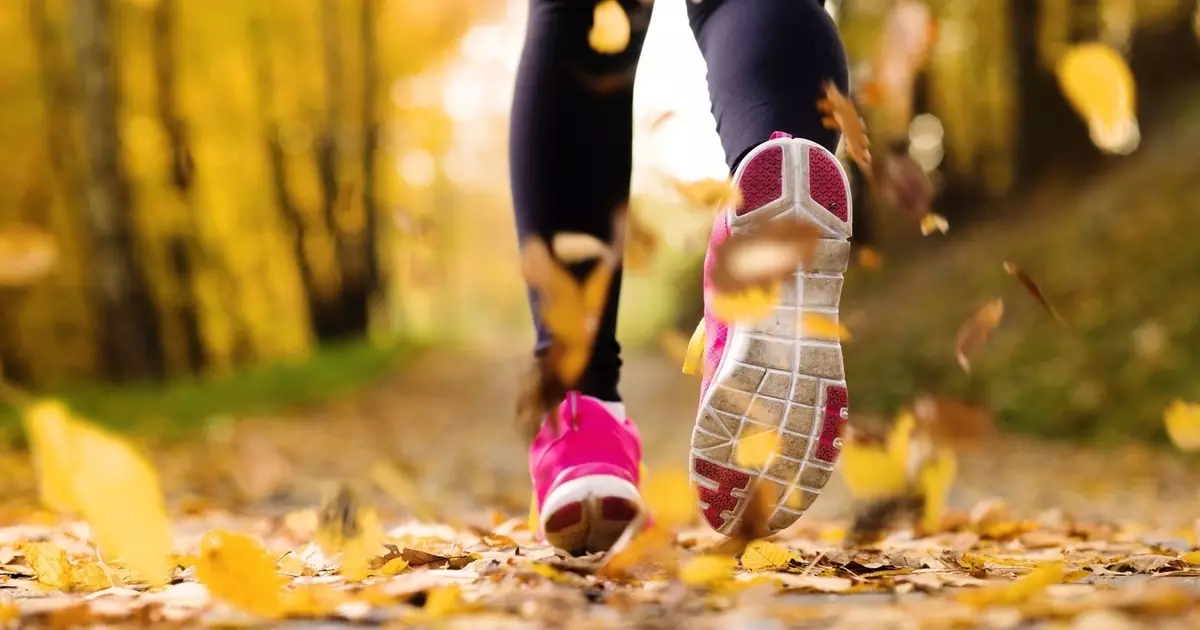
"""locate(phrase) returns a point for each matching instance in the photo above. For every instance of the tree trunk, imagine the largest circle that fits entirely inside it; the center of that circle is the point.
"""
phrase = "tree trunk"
(372, 282)
(128, 328)
(183, 249)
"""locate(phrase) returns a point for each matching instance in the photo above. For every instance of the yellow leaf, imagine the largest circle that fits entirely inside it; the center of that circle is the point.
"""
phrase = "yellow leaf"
(49, 564)
(650, 547)
(119, 494)
(549, 572)
(761, 555)
(931, 223)
(443, 601)
(9, 611)
(27, 254)
(711, 194)
(393, 567)
(755, 450)
(1191, 557)
(48, 424)
(707, 571)
(693, 359)
(312, 600)
(533, 522)
(610, 28)
(1029, 585)
(235, 568)
(88, 576)
(749, 306)
(872, 472)
(669, 497)
(1100, 86)
(870, 258)
(1182, 422)
(935, 479)
(348, 526)
(821, 326)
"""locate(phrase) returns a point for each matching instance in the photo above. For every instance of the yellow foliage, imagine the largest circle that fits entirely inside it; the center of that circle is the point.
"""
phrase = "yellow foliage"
(934, 480)
(872, 472)
(669, 496)
(748, 306)
(235, 568)
(52, 568)
(761, 555)
(312, 600)
(1098, 83)
(755, 450)
(821, 326)
(694, 357)
(1028, 586)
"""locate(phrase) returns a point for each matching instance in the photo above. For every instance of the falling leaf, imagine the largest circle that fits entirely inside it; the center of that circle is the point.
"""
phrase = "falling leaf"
(952, 423)
(839, 112)
(748, 306)
(707, 571)
(876, 471)
(1182, 422)
(661, 120)
(755, 450)
(641, 243)
(975, 332)
(1033, 289)
(870, 258)
(1033, 583)
(934, 480)
(348, 526)
(1099, 85)
(26, 255)
(646, 549)
(903, 184)
(873, 518)
(669, 497)
(761, 555)
(813, 325)
(610, 28)
(712, 195)
(760, 257)
(119, 495)
(573, 247)
(694, 355)
(49, 426)
(932, 222)
(235, 568)
(569, 310)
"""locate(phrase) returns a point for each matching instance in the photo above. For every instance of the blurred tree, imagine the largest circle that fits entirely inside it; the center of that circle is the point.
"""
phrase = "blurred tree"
(129, 333)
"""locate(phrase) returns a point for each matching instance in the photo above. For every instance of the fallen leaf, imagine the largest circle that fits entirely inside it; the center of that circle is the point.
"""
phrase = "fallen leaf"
(348, 526)
(312, 600)
(932, 222)
(1027, 586)
(49, 563)
(393, 566)
(1182, 422)
(975, 331)
(813, 325)
(761, 555)
(419, 558)
(1191, 557)
(235, 568)
(1032, 287)
(707, 571)
(817, 583)
(646, 549)
(444, 601)
(838, 112)
(712, 195)
(610, 30)
(1146, 563)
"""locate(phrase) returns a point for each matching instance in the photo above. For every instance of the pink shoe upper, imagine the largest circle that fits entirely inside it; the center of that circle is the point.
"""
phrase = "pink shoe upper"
(583, 438)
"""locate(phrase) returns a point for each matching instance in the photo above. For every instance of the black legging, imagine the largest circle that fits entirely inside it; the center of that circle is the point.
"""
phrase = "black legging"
(571, 139)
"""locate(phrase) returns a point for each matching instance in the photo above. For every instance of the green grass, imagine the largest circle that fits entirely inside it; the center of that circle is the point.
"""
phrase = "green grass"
(176, 408)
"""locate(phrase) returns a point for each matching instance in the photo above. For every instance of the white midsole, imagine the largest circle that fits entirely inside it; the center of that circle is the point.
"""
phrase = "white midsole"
(578, 490)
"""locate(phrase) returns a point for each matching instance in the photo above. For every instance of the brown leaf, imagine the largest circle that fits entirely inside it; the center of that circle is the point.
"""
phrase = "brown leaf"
(874, 518)
(661, 120)
(712, 195)
(1032, 287)
(419, 558)
(841, 114)
(975, 331)
(540, 393)
(641, 243)
(761, 257)
(952, 423)
(1147, 563)
(903, 184)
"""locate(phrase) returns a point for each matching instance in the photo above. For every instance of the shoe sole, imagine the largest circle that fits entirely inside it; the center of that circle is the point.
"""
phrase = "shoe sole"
(589, 514)
(773, 377)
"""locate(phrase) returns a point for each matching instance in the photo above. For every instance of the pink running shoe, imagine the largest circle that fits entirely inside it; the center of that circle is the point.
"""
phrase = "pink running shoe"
(585, 464)
(772, 376)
